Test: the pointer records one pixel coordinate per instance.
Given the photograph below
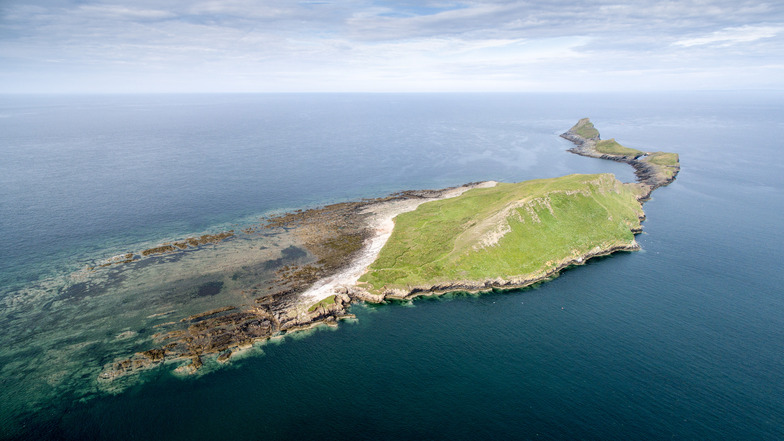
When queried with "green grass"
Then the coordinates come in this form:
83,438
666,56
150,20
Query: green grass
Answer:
585,128
663,158
328,301
667,163
611,147
546,221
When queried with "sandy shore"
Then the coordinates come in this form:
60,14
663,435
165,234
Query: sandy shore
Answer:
382,222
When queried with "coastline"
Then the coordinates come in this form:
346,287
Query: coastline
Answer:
289,308
650,175
501,284
347,238
381,223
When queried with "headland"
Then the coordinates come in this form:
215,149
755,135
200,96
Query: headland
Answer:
477,237
653,169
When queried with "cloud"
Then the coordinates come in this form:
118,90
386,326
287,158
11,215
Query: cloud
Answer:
325,45
732,35
532,19
118,12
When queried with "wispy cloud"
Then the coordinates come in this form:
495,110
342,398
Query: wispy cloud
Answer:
733,35
385,44
123,12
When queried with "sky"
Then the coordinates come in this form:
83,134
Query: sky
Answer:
145,46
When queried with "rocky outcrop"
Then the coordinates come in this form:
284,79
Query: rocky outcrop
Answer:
651,175
358,294
164,249
221,332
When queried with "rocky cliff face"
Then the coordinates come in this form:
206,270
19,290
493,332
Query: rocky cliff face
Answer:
223,331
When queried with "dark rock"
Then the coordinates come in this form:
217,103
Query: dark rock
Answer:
209,289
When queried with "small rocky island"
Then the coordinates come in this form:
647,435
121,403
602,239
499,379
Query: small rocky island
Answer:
477,237
653,169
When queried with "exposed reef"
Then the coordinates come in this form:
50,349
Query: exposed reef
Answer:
340,235
223,332
165,248
334,234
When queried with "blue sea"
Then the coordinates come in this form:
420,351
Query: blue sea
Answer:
682,340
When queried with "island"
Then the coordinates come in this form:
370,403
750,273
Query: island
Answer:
478,237
506,236
653,169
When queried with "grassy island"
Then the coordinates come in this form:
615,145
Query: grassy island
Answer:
653,169
612,147
509,232
585,129
471,238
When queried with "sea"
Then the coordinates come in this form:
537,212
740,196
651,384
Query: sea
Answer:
682,340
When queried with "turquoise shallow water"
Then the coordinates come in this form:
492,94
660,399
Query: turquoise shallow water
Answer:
682,340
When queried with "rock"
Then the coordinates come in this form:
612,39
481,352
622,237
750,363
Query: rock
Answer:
155,355
224,357
190,368
362,295
650,174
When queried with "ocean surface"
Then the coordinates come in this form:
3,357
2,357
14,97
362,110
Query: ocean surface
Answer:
682,340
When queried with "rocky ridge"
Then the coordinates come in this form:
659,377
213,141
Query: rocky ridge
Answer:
650,175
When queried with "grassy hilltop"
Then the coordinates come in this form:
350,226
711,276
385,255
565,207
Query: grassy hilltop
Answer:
585,129
612,147
510,231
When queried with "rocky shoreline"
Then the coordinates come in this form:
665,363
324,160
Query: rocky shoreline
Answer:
492,284
650,175
346,238
339,235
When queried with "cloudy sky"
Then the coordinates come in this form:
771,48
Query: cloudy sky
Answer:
389,46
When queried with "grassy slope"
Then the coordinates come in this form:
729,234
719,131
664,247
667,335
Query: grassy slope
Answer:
610,146
668,163
585,128
547,221
326,302
664,158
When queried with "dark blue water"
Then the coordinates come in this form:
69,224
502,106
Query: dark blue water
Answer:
683,340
